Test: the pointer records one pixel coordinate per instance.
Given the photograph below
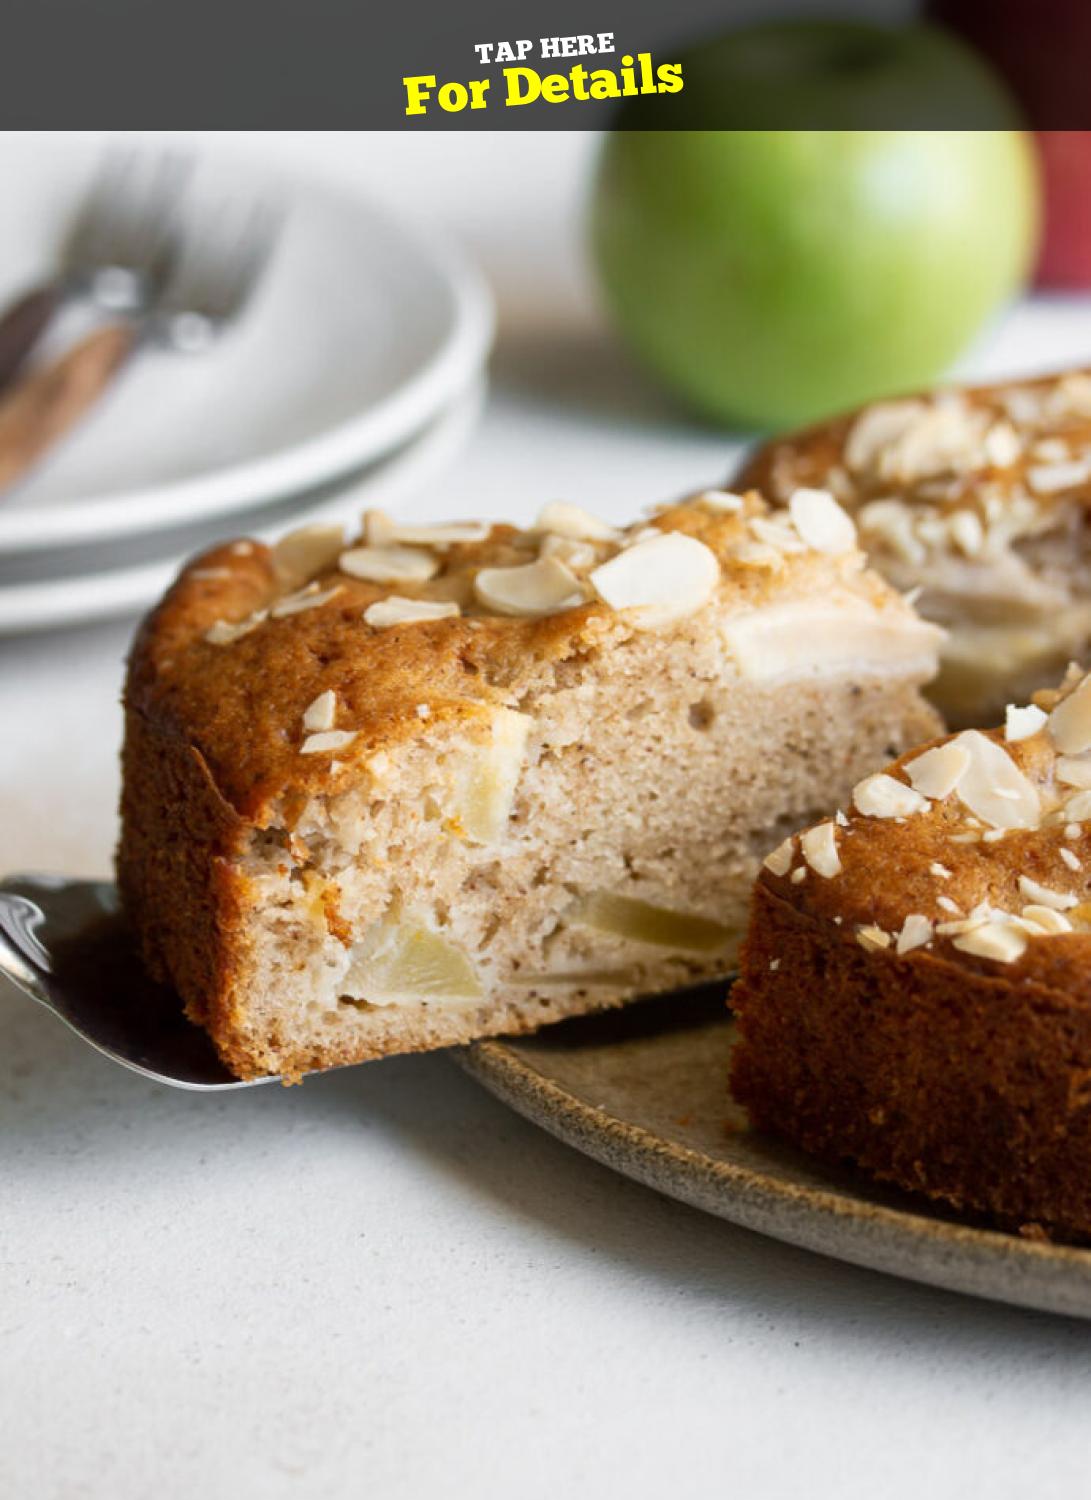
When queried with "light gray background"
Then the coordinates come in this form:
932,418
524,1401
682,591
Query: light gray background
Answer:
383,1283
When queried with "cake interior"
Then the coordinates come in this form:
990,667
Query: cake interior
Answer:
595,842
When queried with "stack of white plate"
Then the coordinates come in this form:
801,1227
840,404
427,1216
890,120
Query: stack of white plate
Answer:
351,380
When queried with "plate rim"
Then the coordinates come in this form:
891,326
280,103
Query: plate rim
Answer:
938,1252
125,591
338,449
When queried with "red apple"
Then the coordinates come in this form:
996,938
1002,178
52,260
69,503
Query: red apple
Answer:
1042,48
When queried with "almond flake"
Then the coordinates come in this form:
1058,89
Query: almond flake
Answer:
937,772
1048,918
1077,810
873,938
398,611
1072,770
309,598
381,530
994,940
1051,479
994,787
306,551
881,796
799,876
227,632
542,587
666,578
563,519
776,534
774,965
757,555
916,931
575,555
1070,859
390,564
1041,895
819,846
779,861
967,532
1001,446
331,739
1070,721
723,501
1021,723
948,905
322,713
941,872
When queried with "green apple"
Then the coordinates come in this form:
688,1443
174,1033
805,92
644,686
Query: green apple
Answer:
773,277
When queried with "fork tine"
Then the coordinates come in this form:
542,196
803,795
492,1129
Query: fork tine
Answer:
128,221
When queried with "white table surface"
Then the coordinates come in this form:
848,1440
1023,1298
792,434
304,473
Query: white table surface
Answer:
383,1283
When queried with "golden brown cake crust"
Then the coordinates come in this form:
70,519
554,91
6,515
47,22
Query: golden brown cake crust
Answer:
964,1075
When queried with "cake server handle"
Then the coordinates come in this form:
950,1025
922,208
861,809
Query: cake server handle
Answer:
22,325
41,407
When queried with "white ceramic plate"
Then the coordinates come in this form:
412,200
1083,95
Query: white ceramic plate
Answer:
80,593
362,329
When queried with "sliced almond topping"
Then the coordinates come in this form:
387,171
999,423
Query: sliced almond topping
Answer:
916,931
881,796
948,905
1077,810
1072,770
1048,918
994,940
1001,446
821,522
777,535
666,578
398,611
312,597
576,555
941,872
873,938
779,862
937,772
572,521
322,713
967,532
1069,859
539,588
392,564
1050,479
1070,721
226,632
799,875
330,739
993,786
1021,723
381,530
819,846
306,551
757,555
1043,896
723,501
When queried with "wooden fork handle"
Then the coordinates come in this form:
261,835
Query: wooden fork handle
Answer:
44,405
22,325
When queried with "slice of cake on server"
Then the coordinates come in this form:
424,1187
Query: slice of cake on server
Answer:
446,782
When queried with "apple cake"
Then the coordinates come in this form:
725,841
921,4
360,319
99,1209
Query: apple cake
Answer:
915,985
979,499
442,782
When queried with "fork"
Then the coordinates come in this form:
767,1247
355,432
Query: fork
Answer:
117,253
212,278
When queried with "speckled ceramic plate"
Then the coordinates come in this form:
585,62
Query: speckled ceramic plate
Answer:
644,1091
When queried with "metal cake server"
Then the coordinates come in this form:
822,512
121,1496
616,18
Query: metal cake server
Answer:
65,944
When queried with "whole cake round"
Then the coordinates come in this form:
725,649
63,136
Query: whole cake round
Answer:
915,990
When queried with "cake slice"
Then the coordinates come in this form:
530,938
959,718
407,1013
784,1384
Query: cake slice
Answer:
440,783
979,498
915,990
